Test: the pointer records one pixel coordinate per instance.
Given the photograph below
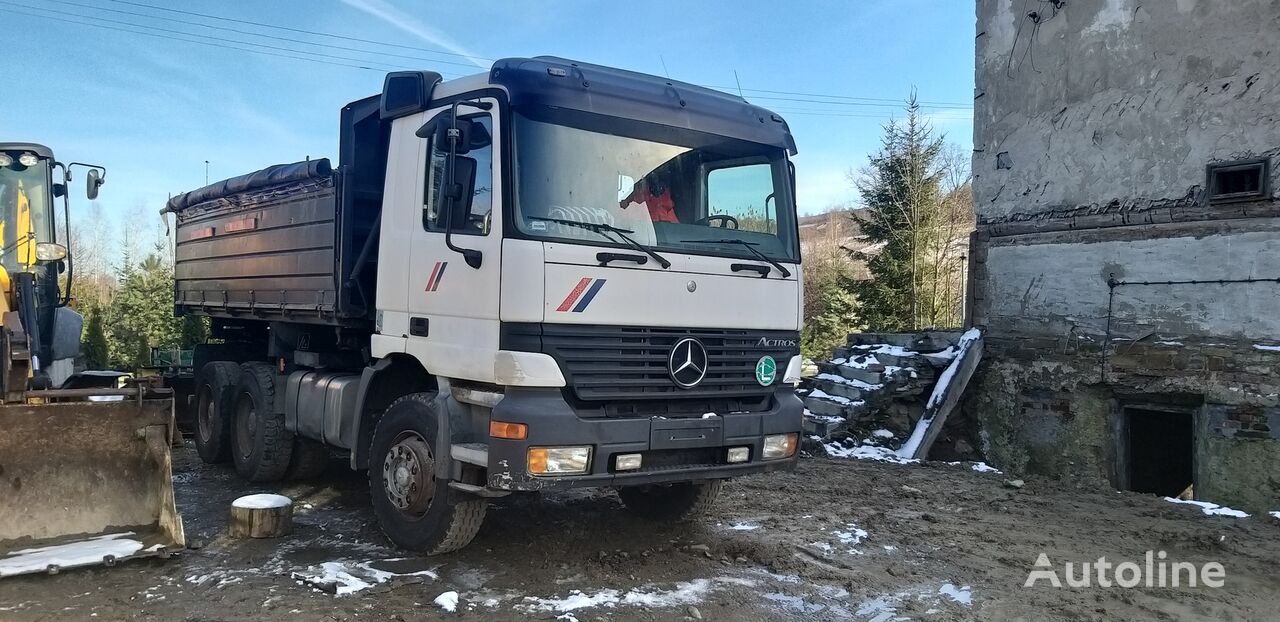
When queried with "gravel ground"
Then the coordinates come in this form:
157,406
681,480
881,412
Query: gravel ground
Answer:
834,540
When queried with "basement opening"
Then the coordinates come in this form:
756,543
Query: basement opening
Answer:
1237,181
1161,450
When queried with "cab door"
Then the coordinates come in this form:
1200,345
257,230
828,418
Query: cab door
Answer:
452,306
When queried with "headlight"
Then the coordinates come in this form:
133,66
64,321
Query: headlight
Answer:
28,159
779,446
559,460
5,160
48,251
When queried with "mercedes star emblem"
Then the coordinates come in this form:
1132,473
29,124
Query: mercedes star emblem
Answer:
687,362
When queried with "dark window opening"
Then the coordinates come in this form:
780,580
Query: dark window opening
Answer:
1161,451
1237,181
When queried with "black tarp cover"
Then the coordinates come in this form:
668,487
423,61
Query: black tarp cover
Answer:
265,178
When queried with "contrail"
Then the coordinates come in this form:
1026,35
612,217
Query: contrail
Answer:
393,16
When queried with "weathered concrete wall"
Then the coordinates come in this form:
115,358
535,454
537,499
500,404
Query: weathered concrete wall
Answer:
1119,100
1056,284
1095,121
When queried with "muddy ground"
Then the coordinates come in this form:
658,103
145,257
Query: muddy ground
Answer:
834,540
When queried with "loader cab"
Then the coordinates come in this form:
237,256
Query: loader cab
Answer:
26,204
34,260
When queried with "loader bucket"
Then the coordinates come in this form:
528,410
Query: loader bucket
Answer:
86,482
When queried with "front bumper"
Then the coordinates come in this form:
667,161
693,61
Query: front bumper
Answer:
674,449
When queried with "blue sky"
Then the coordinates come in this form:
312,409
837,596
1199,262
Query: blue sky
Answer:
152,110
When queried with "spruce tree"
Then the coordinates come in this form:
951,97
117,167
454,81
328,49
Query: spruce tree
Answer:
901,190
94,345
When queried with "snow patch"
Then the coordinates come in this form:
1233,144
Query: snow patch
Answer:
1211,509
1275,514
70,555
683,593
822,395
983,467
1266,348
744,527
347,577
893,351
853,537
262,502
1169,343
853,382
867,452
962,595
882,433
863,362
447,601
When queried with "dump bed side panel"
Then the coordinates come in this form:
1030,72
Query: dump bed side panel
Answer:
269,253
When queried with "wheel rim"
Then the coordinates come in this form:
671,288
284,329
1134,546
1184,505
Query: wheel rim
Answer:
203,405
246,424
408,474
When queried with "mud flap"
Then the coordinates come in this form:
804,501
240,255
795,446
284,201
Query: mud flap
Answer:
86,482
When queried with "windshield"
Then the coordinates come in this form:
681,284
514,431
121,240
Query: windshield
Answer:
24,212
686,193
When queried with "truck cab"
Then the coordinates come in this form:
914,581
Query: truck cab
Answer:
550,275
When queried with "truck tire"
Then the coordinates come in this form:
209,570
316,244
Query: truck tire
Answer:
414,509
677,502
309,459
260,444
215,401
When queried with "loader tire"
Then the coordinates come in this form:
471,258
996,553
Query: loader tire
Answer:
260,444
679,502
416,510
309,459
215,401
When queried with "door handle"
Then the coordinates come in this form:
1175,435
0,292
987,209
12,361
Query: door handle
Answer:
419,326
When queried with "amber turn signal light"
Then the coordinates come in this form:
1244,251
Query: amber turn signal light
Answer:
513,431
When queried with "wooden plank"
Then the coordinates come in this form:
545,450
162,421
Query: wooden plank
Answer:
946,395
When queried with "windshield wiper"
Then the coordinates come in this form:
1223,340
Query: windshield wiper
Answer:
601,228
751,246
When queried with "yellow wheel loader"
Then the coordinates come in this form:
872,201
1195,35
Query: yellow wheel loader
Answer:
85,469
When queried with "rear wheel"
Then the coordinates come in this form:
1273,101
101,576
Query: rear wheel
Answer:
414,508
679,502
260,444
215,399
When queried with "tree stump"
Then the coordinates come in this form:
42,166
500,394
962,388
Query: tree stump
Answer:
261,516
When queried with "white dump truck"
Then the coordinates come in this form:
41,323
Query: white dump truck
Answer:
550,275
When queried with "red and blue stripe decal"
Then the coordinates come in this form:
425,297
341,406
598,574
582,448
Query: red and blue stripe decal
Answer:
590,286
437,274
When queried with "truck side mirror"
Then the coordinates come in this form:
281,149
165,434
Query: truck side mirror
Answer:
92,181
453,200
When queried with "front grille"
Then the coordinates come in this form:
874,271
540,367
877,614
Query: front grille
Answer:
627,366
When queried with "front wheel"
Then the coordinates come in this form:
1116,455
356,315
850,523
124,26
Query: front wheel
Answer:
413,507
679,502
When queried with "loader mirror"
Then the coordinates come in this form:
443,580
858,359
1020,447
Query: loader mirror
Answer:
92,182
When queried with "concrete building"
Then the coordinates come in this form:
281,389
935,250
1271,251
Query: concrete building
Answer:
1127,259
